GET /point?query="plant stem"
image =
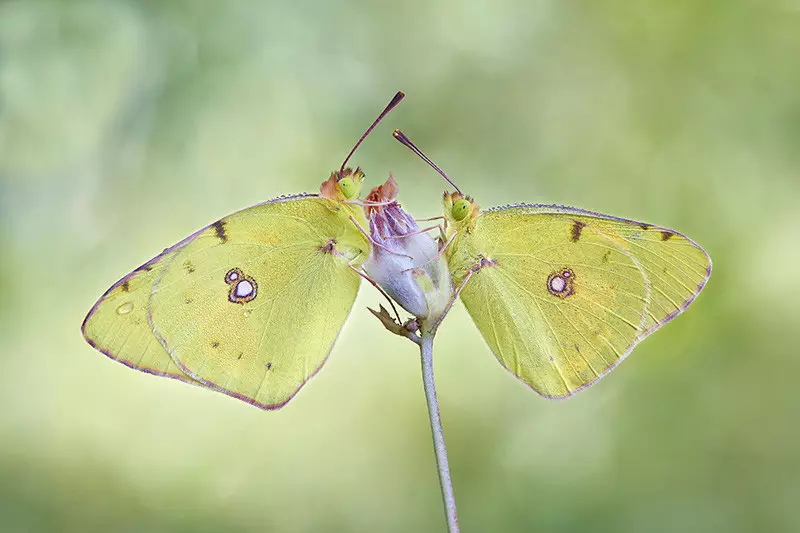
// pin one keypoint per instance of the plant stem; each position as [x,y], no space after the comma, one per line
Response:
[426,351]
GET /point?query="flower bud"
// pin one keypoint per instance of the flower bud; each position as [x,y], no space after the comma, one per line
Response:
[406,262]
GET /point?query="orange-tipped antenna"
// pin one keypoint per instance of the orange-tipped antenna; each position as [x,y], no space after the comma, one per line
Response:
[400,136]
[396,100]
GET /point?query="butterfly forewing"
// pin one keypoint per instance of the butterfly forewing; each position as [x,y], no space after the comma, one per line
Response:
[253,305]
[566,294]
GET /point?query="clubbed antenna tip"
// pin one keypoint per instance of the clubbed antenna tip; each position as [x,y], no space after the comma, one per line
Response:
[395,100]
[404,140]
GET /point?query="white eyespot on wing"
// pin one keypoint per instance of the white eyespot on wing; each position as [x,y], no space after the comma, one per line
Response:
[561,283]
[244,289]
[557,284]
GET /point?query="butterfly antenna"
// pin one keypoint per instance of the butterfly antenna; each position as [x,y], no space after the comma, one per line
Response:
[396,100]
[400,136]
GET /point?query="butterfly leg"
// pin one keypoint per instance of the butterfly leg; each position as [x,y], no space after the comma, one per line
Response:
[424,230]
[446,244]
[483,263]
[375,243]
[442,236]
[438,255]
[375,284]
[432,219]
[393,324]
[366,203]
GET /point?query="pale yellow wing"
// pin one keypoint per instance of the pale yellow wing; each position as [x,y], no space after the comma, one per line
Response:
[565,294]
[117,325]
[252,305]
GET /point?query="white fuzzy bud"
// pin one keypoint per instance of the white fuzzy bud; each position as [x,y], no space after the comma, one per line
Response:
[405,263]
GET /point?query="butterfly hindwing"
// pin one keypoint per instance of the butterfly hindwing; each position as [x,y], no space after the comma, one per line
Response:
[118,326]
[253,305]
[565,294]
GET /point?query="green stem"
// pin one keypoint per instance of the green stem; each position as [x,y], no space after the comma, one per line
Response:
[426,351]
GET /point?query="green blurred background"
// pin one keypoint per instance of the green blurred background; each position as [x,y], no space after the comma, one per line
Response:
[125,125]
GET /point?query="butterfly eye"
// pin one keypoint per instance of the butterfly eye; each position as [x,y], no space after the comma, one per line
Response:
[349,188]
[460,209]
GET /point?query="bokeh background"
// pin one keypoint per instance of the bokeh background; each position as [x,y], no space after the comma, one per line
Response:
[126,125]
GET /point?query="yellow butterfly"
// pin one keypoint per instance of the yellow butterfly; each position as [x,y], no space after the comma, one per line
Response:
[562,295]
[250,305]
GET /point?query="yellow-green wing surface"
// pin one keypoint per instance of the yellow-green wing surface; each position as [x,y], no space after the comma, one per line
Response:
[565,294]
[117,324]
[253,304]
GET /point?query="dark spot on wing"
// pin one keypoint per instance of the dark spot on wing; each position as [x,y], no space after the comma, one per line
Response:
[645,226]
[561,283]
[240,355]
[215,344]
[606,256]
[189,267]
[330,247]
[577,227]
[483,262]
[219,227]
[666,235]
[269,366]
[126,286]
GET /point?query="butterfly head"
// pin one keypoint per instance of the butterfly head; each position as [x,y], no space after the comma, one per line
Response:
[460,210]
[343,185]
